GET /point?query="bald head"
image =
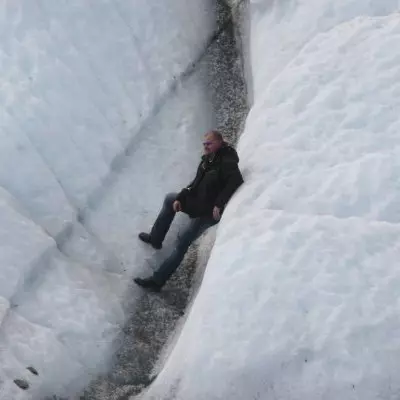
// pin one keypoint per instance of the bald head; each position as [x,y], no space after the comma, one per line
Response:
[213,141]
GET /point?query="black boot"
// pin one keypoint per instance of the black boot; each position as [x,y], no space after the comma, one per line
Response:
[148,283]
[145,237]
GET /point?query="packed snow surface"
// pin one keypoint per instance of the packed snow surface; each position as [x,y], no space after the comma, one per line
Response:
[300,296]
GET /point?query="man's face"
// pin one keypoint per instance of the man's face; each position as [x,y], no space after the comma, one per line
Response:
[211,144]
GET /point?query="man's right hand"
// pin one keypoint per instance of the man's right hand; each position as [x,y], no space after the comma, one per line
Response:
[177,206]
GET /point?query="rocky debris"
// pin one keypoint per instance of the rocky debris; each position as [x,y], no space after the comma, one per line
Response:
[32,370]
[22,383]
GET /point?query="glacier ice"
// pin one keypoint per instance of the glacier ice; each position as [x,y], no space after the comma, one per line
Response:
[93,102]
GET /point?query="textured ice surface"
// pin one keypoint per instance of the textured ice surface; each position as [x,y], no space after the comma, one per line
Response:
[78,81]
[98,121]
[300,296]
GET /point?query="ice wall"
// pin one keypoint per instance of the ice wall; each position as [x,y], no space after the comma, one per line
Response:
[78,82]
[299,299]
[81,83]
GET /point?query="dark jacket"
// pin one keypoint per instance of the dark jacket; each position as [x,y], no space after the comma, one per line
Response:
[217,178]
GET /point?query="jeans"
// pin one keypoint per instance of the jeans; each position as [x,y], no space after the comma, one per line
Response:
[192,231]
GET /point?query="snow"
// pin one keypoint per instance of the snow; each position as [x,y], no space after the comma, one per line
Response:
[99,119]
[299,298]
[96,97]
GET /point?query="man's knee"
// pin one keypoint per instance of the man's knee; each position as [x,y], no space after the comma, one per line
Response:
[170,198]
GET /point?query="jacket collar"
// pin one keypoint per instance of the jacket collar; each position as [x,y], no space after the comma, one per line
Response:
[213,156]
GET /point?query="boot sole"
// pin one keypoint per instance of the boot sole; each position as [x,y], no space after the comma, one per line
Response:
[154,289]
[154,246]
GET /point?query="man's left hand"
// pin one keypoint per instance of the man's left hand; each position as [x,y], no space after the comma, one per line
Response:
[217,213]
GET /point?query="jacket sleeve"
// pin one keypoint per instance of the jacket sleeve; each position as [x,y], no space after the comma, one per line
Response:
[232,178]
[183,193]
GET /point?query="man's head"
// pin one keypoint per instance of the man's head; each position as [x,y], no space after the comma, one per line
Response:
[213,141]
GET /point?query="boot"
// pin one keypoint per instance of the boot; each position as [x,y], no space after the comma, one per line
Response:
[145,237]
[148,284]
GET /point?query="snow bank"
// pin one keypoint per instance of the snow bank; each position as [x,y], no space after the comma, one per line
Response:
[82,88]
[299,299]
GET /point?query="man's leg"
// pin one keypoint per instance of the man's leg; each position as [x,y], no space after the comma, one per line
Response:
[193,231]
[164,220]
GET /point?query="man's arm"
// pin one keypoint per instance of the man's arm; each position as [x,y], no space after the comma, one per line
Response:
[182,194]
[232,178]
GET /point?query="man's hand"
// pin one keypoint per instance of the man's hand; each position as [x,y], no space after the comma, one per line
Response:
[177,206]
[217,213]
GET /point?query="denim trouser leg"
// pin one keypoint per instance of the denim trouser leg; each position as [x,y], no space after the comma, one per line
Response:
[164,219]
[194,230]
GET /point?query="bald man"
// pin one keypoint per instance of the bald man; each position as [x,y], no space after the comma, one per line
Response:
[204,199]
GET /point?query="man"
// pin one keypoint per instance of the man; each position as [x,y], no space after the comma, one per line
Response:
[217,178]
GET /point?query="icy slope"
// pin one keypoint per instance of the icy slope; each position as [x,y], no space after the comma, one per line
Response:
[92,100]
[300,297]
[76,74]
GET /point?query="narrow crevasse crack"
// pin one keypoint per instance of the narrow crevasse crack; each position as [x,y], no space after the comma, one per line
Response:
[154,317]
